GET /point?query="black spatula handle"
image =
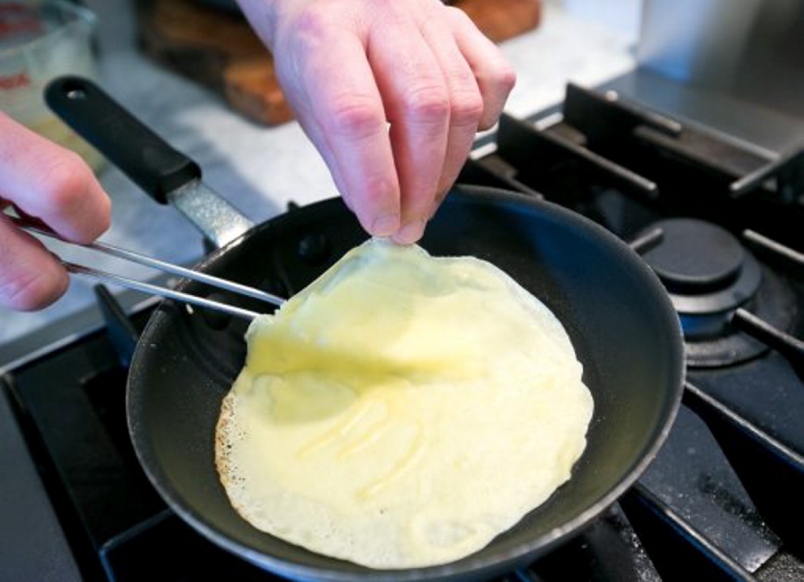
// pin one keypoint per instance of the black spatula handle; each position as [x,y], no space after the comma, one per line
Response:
[152,163]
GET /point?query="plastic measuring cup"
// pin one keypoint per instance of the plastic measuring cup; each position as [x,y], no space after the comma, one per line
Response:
[40,40]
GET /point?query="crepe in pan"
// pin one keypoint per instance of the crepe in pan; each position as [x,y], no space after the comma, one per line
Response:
[402,410]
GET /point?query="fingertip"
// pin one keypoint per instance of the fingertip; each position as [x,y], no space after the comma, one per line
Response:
[385,224]
[78,208]
[31,278]
[496,90]
[410,232]
[35,289]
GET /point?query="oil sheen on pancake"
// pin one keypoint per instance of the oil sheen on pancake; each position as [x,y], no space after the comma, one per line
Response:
[402,410]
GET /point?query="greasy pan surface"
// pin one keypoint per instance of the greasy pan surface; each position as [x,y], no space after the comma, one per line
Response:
[621,323]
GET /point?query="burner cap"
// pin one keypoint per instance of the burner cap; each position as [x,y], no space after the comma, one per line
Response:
[695,257]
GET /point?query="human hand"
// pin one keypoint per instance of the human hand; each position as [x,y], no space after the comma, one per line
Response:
[392,94]
[45,182]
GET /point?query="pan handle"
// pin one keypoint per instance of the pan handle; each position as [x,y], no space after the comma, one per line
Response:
[164,173]
[152,163]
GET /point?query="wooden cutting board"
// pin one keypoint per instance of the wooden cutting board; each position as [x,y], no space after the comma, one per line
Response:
[218,49]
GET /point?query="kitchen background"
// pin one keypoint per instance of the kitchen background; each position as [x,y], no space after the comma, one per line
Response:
[696,112]
[260,168]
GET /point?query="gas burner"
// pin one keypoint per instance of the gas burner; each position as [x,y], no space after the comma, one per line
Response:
[709,274]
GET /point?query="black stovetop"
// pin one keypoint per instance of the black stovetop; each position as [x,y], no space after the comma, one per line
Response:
[723,498]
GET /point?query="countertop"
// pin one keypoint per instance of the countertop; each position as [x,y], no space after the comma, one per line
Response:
[260,169]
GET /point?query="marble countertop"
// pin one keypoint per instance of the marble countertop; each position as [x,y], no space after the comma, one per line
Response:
[258,169]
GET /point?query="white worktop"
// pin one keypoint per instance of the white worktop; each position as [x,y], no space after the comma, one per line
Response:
[261,169]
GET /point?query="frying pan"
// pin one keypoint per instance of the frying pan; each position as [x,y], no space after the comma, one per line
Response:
[616,312]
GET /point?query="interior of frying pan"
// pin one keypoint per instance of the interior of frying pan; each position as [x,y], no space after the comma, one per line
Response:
[621,323]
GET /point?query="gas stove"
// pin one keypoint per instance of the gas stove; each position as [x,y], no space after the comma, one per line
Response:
[717,218]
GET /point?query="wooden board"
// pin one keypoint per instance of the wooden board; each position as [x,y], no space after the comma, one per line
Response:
[218,49]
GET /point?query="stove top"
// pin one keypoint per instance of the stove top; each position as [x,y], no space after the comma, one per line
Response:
[717,218]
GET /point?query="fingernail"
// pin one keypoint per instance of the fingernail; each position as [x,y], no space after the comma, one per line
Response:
[385,224]
[410,233]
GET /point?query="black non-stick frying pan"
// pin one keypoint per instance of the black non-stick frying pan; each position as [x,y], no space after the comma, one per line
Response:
[616,312]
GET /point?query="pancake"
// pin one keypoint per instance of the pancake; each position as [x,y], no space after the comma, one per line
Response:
[402,410]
